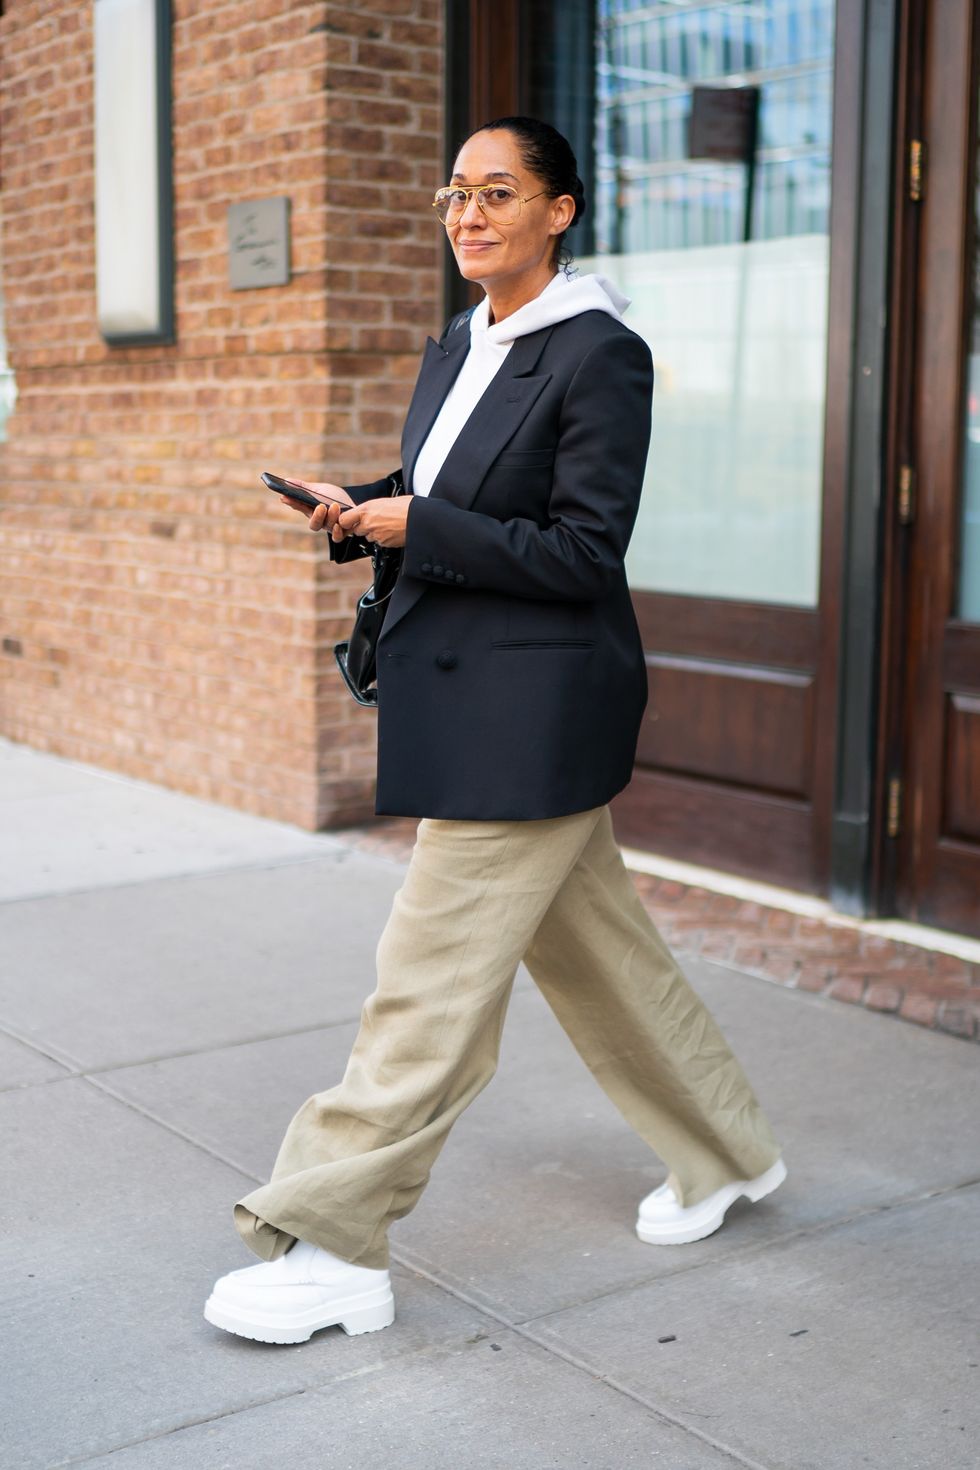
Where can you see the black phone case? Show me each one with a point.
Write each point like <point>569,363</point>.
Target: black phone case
<point>282,487</point>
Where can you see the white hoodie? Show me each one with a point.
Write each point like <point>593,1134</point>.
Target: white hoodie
<point>489,345</point>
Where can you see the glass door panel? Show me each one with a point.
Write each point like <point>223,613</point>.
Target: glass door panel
<point>968,601</point>
<point>722,244</point>
<point>938,852</point>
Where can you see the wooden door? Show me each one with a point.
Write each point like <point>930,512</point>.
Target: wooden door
<point>936,800</point>
<point>745,296</point>
<point>727,771</point>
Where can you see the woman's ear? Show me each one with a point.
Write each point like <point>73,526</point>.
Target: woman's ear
<point>563,212</point>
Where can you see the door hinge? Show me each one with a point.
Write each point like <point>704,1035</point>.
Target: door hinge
<point>894,806</point>
<point>906,495</point>
<point>917,169</point>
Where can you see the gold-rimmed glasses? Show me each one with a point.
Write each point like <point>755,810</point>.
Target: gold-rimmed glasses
<point>499,202</point>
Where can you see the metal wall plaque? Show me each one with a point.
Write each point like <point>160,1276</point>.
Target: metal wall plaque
<point>258,244</point>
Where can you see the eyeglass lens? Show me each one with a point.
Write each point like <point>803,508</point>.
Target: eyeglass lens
<point>498,202</point>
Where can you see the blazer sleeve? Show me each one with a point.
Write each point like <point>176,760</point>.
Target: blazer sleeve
<point>353,547</point>
<point>603,438</point>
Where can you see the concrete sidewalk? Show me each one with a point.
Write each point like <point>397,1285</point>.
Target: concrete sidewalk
<point>176,978</point>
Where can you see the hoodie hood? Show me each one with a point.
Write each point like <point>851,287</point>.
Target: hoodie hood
<point>561,298</point>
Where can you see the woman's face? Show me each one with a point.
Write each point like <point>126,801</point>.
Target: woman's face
<point>490,253</point>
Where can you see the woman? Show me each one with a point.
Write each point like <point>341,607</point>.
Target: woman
<point>511,686</point>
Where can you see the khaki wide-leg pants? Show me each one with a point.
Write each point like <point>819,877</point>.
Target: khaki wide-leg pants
<point>479,897</point>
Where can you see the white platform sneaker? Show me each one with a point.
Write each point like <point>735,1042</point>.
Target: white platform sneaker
<point>662,1221</point>
<point>306,1289</point>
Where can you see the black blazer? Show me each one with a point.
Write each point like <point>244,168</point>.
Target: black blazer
<point>511,676</point>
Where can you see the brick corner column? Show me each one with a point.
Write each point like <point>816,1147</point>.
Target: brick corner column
<point>384,81</point>
<point>160,613</point>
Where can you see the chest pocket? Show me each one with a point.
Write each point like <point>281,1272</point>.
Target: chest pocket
<point>524,459</point>
<point>518,483</point>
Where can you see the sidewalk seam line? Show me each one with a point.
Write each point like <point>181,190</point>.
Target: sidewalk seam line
<point>738,1253</point>
<point>582,1366</point>
<point>51,1051</point>
<point>172,1128</point>
<point>36,1050</point>
<point>246,1408</point>
<point>130,1444</point>
<point>77,1068</point>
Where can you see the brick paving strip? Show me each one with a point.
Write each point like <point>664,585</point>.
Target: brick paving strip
<point>839,959</point>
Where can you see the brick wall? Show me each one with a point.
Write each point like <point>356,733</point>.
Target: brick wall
<point>160,613</point>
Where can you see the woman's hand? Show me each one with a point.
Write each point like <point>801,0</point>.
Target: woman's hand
<point>383,521</point>
<point>319,517</point>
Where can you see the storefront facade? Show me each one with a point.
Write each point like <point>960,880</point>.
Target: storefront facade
<point>787,192</point>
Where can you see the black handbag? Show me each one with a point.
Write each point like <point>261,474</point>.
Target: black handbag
<point>357,657</point>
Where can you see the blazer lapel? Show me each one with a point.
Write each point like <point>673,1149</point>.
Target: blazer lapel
<point>498,415</point>
<point>500,412</point>
<point>440,366</point>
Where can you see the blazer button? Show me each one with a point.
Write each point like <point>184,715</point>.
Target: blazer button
<point>450,576</point>
<point>446,659</point>
<point>437,571</point>
<point>427,566</point>
<point>460,577</point>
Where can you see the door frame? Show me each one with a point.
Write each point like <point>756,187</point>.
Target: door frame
<point>901,455</point>
<point>932,878</point>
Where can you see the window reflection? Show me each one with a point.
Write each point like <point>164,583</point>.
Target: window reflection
<point>734,310</point>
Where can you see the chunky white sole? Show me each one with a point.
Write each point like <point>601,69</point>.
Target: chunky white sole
<point>704,1218</point>
<point>368,1311</point>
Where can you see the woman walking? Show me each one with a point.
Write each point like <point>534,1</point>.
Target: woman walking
<point>511,685</point>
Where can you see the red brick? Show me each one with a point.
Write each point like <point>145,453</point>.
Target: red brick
<point>749,952</point>
<point>880,997</point>
<point>136,468</point>
<point>776,921</point>
<point>920,1008</point>
<point>954,968</point>
<point>960,1020</point>
<point>916,976</point>
<point>718,946</point>
<point>813,975</point>
<point>846,987</point>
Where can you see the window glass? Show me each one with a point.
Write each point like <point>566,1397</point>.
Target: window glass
<point>711,211</point>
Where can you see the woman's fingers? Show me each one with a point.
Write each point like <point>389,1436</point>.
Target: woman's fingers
<point>323,515</point>
<point>383,521</point>
<point>333,516</point>
<point>295,504</point>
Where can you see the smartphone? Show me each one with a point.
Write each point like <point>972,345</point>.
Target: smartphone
<point>298,492</point>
